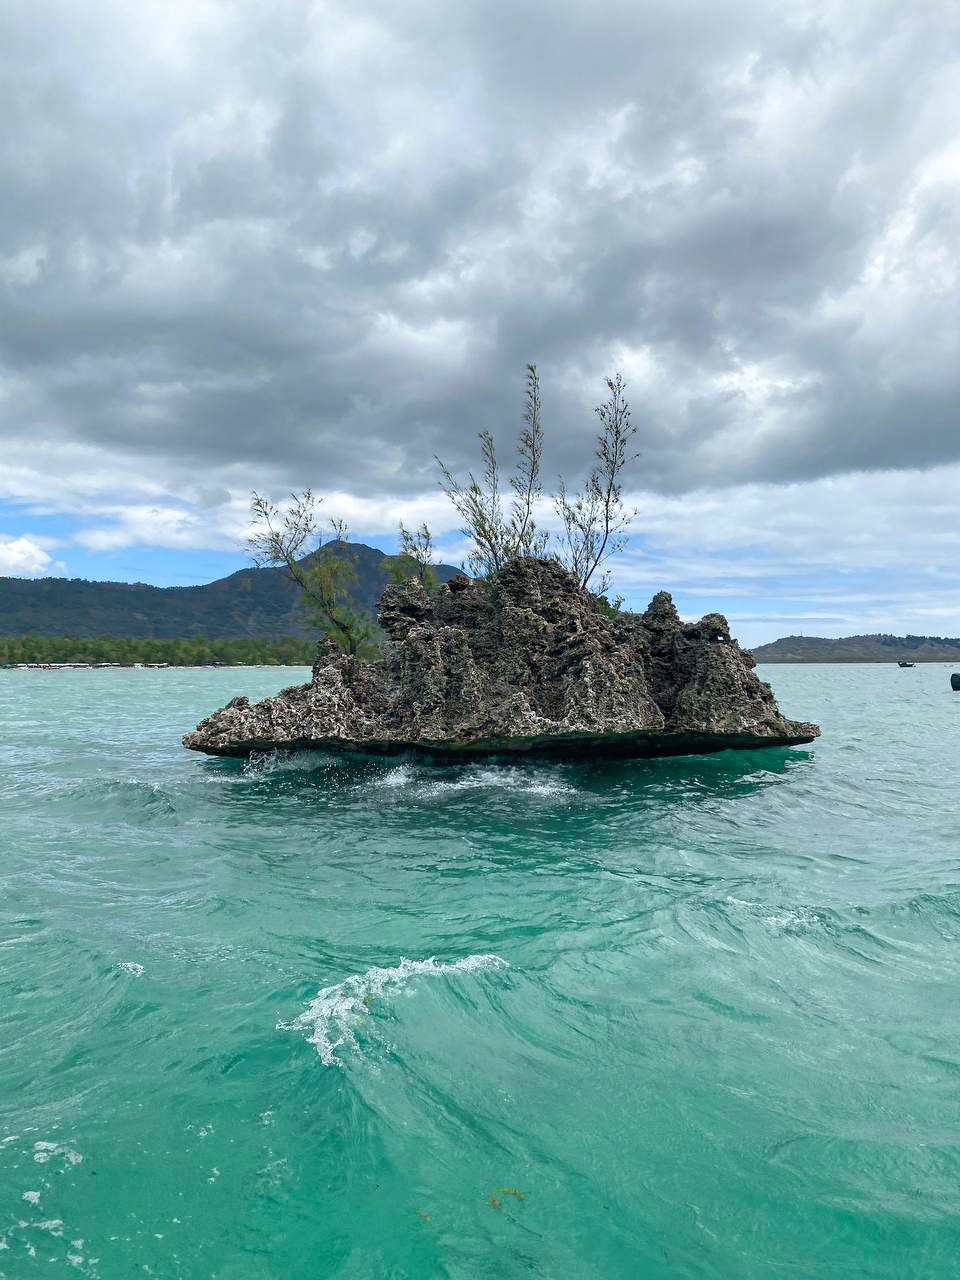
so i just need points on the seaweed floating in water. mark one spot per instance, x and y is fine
(504, 1191)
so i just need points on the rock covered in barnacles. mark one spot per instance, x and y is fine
(528, 664)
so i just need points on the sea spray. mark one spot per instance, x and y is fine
(422, 781)
(262, 764)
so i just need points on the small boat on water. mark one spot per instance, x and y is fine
(906, 664)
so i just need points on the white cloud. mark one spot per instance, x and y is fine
(222, 527)
(325, 238)
(320, 224)
(22, 557)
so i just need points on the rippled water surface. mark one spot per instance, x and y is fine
(311, 1018)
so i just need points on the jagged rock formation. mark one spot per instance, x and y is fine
(529, 665)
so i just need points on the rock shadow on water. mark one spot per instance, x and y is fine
(306, 783)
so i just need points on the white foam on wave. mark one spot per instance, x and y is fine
(130, 966)
(783, 918)
(802, 918)
(261, 764)
(43, 1151)
(548, 789)
(400, 776)
(495, 779)
(334, 1012)
(503, 780)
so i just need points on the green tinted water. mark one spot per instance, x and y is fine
(310, 1018)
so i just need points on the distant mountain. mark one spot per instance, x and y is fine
(860, 649)
(250, 602)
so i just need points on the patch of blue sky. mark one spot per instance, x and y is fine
(18, 521)
(765, 590)
(157, 566)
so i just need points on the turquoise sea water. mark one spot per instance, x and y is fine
(312, 1018)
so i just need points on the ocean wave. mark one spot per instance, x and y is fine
(331, 1017)
(503, 778)
(781, 919)
(106, 800)
(410, 777)
(265, 764)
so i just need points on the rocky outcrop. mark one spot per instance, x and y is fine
(528, 665)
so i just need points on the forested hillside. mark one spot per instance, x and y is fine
(251, 602)
(874, 648)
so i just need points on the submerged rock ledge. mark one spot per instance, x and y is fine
(531, 665)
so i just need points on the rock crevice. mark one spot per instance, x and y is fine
(529, 664)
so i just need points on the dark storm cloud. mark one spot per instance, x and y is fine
(321, 241)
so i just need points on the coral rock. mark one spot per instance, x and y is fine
(529, 664)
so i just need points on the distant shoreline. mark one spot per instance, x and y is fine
(152, 666)
(284, 666)
(880, 647)
(855, 662)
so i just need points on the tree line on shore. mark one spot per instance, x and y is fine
(198, 651)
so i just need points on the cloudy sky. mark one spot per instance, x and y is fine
(263, 245)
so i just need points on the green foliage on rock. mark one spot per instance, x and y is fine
(414, 559)
(288, 538)
(593, 521)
